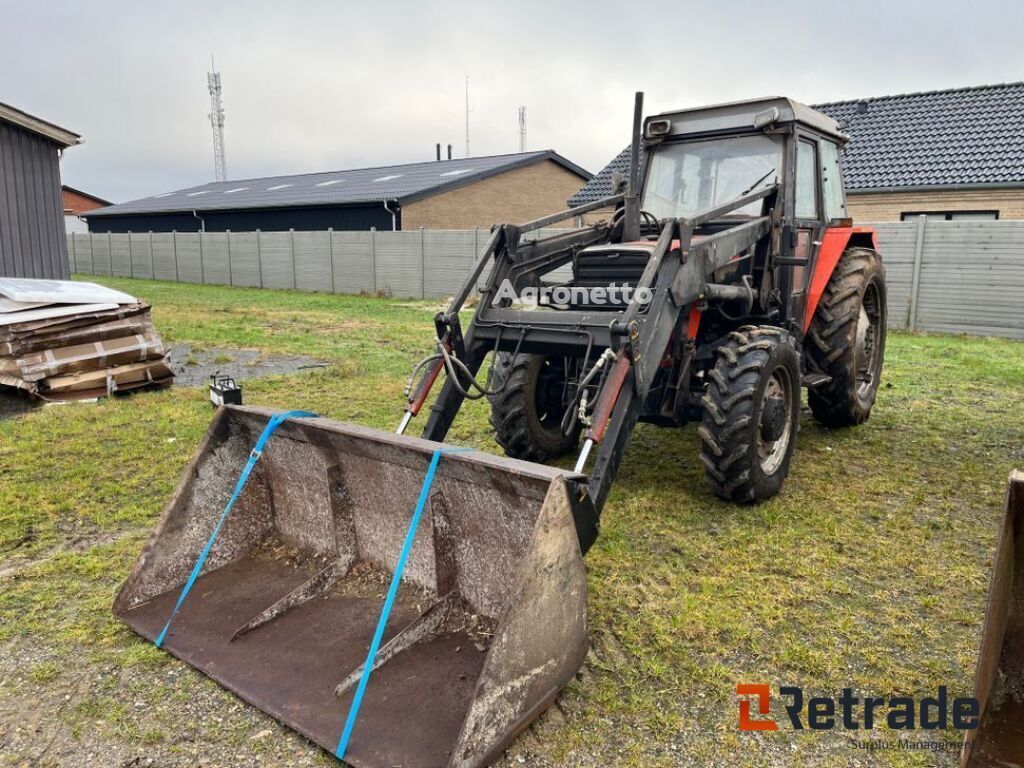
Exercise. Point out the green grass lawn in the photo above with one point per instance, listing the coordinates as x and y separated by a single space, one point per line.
868 571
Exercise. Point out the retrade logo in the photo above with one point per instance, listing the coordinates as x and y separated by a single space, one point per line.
849 712
762 695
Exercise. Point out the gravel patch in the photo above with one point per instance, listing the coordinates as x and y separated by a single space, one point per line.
194 367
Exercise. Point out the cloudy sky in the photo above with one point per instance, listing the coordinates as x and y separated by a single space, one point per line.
311 86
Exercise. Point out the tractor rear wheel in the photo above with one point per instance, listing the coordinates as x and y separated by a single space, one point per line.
751 414
846 340
527 411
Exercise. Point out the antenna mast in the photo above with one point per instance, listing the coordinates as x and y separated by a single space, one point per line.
220 166
467 115
522 129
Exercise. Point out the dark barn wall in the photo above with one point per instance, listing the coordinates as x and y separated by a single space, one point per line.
32 242
341 218
162 222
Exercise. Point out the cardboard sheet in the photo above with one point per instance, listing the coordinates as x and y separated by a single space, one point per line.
109 380
23 343
56 324
95 356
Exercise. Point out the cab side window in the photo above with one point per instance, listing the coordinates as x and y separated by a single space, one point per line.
806 181
832 182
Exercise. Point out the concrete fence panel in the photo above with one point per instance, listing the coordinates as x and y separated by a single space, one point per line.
101 254
313 262
140 250
81 246
164 257
277 258
354 262
972 278
189 248
216 267
448 259
245 259
120 255
399 262
896 243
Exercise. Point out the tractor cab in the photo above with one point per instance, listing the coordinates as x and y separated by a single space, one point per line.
697 160
700 158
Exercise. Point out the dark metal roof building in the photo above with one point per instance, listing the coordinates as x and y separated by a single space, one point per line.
345 200
32 240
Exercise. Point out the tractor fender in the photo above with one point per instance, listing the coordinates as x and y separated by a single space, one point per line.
834 242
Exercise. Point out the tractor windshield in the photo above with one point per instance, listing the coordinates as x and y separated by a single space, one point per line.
688 177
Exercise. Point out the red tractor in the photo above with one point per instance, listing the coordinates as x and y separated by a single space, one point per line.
746 280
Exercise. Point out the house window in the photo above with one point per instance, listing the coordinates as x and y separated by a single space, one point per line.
951 215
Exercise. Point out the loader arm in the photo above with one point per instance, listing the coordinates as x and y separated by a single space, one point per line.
677 274
678 278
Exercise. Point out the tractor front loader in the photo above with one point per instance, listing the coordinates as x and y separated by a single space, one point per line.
725 277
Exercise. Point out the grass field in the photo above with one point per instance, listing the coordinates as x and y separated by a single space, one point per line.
869 571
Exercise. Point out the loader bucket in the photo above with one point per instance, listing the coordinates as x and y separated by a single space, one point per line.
488 625
999 678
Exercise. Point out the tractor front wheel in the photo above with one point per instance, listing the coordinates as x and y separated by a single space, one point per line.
527 411
751 414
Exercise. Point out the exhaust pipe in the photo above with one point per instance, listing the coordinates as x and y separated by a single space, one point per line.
631 219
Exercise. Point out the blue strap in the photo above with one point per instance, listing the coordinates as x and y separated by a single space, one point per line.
389 601
275 421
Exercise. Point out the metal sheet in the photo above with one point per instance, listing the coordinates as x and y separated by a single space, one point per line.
46 312
7 305
61 292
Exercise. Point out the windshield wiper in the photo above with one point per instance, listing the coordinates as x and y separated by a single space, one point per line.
754 185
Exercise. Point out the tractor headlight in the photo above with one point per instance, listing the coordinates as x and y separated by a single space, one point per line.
766 118
659 128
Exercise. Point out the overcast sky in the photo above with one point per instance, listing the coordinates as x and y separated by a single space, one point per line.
314 86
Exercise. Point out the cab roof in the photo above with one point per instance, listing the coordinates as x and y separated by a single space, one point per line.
738 115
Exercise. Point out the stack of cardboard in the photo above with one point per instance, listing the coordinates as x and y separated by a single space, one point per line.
64 340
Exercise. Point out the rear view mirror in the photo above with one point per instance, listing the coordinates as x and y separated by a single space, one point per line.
618 182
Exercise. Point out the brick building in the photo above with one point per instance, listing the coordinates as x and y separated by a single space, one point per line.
952 154
444 194
76 203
